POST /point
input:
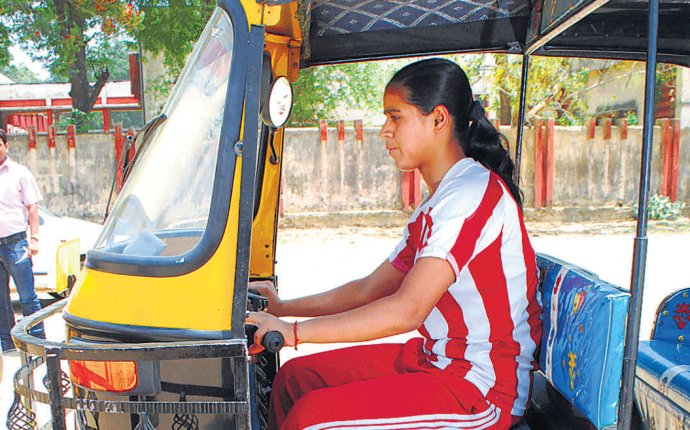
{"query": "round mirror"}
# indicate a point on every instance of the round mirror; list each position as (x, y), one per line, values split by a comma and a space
(279, 106)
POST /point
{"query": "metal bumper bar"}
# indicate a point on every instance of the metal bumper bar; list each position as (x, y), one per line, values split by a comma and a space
(37, 352)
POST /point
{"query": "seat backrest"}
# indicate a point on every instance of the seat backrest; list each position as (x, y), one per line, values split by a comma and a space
(582, 344)
(672, 322)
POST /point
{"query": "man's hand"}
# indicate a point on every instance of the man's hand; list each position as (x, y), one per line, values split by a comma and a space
(33, 245)
(34, 222)
(268, 290)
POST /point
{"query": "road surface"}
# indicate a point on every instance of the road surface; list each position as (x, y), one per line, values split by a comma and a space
(313, 260)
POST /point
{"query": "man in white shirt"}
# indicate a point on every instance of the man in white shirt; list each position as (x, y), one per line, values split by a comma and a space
(19, 197)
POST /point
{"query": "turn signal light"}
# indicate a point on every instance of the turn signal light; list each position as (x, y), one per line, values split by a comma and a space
(113, 376)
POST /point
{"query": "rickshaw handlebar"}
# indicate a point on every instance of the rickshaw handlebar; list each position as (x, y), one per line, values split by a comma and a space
(273, 341)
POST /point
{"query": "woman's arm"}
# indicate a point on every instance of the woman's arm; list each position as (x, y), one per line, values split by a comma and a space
(402, 311)
(383, 281)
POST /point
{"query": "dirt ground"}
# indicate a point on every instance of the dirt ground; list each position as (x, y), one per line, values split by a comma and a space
(536, 229)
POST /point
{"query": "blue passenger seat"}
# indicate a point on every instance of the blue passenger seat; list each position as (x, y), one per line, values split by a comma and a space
(662, 376)
(581, 356)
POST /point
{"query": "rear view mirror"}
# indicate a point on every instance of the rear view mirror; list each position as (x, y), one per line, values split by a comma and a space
(276, 110)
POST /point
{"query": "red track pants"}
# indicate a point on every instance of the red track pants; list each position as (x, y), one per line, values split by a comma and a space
(384, 386)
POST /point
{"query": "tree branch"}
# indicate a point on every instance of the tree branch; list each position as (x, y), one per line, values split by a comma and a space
(98, 86)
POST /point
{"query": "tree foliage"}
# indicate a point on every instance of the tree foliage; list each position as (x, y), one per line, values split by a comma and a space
(20, 74)
(82, 41)
(86, 41)
(5, 44)
(323, 92)
(556, 88)
(172, 27)
(327, 92)
(66, 35)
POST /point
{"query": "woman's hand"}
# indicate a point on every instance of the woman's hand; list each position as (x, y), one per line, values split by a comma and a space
(265, 323)
(268, 290)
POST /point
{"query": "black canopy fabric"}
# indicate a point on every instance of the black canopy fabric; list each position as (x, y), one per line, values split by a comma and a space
(333, 17)
(349, 30)
(353, 30)
(619, 30)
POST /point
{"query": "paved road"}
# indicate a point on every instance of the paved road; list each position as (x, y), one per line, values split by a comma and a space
(310, 261)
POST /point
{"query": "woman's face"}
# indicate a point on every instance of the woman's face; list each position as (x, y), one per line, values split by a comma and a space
(408, 132)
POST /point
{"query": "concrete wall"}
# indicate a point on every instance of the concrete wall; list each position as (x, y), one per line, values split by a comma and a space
(597, 172)
(360, 176)
(79, 188)
(683, 96)
(684, 168)
(337, 177)
(587, 173)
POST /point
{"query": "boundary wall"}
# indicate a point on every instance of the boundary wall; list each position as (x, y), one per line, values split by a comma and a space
(338, 169)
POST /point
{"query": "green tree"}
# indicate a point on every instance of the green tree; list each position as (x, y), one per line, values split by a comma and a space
(320, 92)
(77, 39)
(172, 27)
(323, 92)
(20, 74)
(556, 87)
(116, 55)
(5, 44)
(64, 34)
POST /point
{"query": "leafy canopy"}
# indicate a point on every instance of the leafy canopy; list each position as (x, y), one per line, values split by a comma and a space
(81, 41)
(20, 74)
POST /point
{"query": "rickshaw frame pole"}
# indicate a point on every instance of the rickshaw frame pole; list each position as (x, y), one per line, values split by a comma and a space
(632, 334)
(57, 409)
(521, 117)
(550, 34)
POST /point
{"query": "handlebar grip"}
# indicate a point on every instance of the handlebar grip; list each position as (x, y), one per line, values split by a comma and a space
(273, 341)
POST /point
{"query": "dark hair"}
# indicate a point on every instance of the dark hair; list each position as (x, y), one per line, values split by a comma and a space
(433, 82)
(3, 136)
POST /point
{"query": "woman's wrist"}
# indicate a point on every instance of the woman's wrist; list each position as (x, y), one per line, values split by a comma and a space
(295, 335)
(277, 308)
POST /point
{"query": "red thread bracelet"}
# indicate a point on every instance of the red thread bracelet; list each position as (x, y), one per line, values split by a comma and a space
(294, 331)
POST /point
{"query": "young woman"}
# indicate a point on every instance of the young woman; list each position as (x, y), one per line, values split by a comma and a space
(464, 275)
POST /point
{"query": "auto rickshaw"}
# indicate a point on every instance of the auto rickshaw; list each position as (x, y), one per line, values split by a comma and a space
(155, 322)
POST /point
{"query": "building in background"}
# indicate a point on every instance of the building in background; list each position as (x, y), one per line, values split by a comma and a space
(40, 105)
(615, 89)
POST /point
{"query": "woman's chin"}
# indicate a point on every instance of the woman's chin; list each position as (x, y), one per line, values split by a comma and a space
(401, 165)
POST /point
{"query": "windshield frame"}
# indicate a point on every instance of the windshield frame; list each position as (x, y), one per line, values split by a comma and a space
(224, 175)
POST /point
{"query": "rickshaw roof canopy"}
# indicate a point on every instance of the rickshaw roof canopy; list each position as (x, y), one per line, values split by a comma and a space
(355, 30)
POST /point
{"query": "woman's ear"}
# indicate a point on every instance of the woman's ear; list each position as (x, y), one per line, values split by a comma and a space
(441, 117)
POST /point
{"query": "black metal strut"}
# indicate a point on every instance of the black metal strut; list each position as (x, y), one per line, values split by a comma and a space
(521, 117)
(632, 334)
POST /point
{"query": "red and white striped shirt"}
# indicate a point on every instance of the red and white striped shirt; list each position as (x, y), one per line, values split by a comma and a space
(486, 327)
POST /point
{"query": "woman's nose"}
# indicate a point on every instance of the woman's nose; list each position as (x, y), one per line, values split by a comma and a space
(385, 131)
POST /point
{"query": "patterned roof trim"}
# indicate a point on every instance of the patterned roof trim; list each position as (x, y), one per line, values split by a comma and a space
(333, 17)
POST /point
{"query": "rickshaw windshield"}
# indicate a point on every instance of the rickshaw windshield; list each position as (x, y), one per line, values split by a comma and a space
(163, 209)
